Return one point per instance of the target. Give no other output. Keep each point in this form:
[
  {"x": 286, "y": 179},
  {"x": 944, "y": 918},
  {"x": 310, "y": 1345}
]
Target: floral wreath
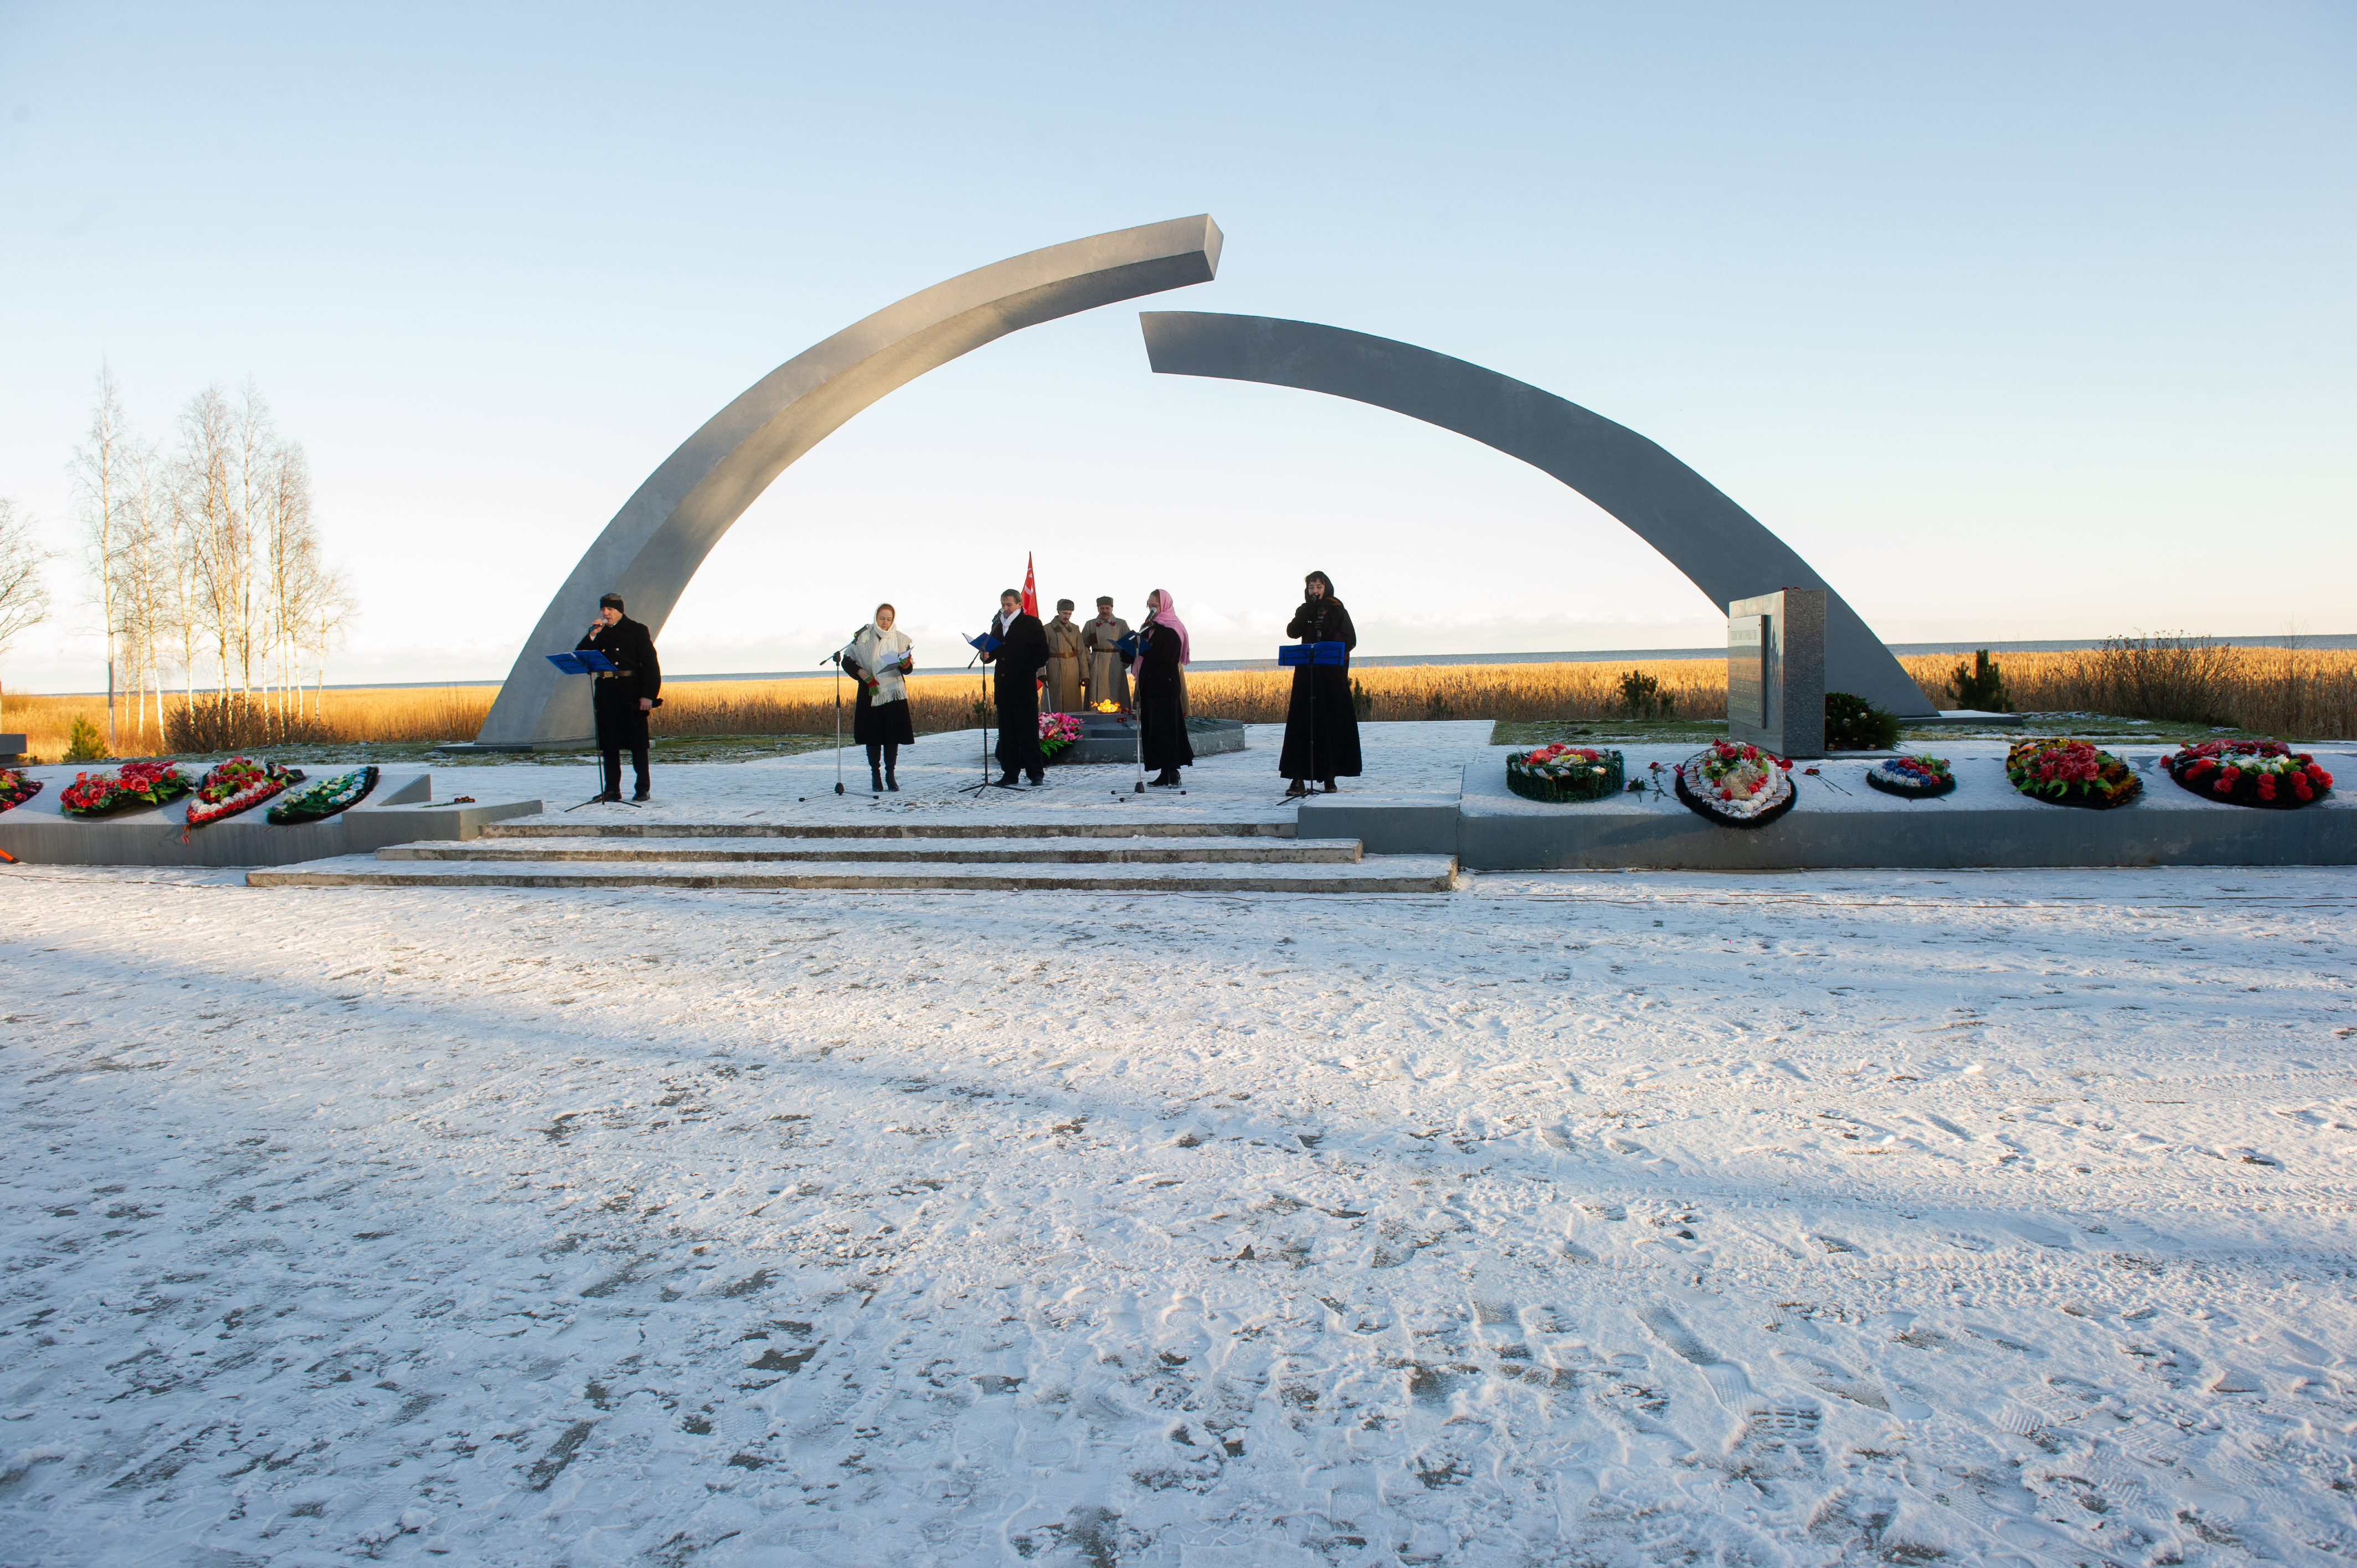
[
  {"x": 1563, "y": 774},
  {"x": 2265, "y": 773},
  {"x": 1056, "y": 731},
  {"x": 238, "y": 784},
  {"x": 1736, "y": 785},
  {"x": 1912, "y": 778},
  {"x": 2066, "y": 772},
  {"x": 15, "y": 788},
  {"x": 326, "y": 798},
  {"x": 132, "y": 786}
]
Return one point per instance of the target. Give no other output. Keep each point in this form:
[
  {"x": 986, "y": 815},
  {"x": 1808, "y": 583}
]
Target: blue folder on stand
[
  {"x": 587, "y": 661},
  {"x": 987, "y": 643},
  {"x": 1295, "y": 654},
  {"x": 1127, "y": 644}
]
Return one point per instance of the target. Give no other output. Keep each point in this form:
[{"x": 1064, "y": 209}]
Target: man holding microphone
[{"x": 623, "y": 699}]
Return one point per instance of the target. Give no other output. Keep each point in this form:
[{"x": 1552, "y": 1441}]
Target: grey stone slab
[
  {"x": 1776, "y": 665},
  {"x": 1912, "y": 835},
  {"x": 1722, "y": 549},
  {"x": 1386, "y": 823},
  {"x": 1032, "y": 828},
  {"x": 662, "y": 535},
  {"x": 1039, "y": 850},
  {"x": 1399, "y": 874},
  {"x": 401, "y": 811}
]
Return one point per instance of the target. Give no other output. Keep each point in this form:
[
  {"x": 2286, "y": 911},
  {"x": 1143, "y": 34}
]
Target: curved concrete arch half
[
  {"x": 654, "y": 545},
  {"x": 1722, "y": 549}
]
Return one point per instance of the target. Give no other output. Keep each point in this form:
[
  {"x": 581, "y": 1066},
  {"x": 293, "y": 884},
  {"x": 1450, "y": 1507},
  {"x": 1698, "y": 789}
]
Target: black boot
[
  {"x": 1296, "y": 789},
  {"x": 874, "y": 779},
  {"x": 1166, "y": 780},
  {"x": 892, "y": 780},
  {"x": 1329, "y": 787}
]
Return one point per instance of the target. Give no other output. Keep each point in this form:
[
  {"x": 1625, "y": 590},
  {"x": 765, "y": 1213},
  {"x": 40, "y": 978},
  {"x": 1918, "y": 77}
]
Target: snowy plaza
[{"x": 1564, "y": 1218}]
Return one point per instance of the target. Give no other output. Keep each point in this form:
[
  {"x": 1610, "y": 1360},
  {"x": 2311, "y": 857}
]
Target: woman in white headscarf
[
  {"x": 1161, "y": 696},
  {"x": 879, "y": 658}
]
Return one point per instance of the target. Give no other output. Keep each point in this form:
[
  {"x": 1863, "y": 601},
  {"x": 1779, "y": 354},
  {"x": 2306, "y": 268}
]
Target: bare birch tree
[
  {"x": 24, "y": 597},
  {"x": 96, "y": 473}
]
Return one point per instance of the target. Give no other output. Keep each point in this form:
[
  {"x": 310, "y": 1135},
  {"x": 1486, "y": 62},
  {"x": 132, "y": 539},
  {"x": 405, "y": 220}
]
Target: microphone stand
[
  {"x": 976, "y": 789},
  {"x": 837, "y": 659}
]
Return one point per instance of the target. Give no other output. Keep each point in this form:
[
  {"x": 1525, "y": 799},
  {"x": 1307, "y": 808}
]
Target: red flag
[{"x": 1030, "y": 587}]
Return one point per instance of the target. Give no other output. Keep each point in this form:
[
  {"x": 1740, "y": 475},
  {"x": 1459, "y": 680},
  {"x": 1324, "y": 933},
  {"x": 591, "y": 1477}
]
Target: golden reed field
[{"x": 2308, "y": 693}]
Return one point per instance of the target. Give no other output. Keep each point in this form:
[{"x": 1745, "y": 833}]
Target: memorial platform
[{"x": 1433, "y": 801}]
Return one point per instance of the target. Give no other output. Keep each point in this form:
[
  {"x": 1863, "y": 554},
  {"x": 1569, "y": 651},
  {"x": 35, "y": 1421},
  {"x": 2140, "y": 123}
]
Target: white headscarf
[{"x": 879, "y": 652}]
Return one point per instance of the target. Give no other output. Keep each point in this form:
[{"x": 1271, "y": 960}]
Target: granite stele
[
  {"x": 1722, "y": 549},
  {"x": 664, "y": 533}
]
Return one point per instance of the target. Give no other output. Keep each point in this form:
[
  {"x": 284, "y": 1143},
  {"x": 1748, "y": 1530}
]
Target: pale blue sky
[{"x": 2016, "y": 321}]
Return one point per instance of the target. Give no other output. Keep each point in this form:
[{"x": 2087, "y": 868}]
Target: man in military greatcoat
[{"x": 1108, "y": 677}]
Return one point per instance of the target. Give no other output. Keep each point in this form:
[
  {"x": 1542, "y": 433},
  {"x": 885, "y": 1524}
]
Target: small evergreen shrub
[
  {"x": 1980, "y": 686},
  {"x": 1641, "y": 697},
  {"x": 1853, "y": 723},
  {"x": 85, "y": 744},
  {"x": 1437, "y": 706},
  {"x": 1362, "y": 702}
]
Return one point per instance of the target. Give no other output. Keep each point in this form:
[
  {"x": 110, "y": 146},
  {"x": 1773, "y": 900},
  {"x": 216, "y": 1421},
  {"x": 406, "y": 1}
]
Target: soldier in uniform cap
[{"x": 624, "y": 698}]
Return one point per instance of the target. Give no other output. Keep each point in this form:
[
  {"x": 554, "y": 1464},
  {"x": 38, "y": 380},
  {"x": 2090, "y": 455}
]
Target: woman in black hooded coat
[{"x": 1321, "y": 727}]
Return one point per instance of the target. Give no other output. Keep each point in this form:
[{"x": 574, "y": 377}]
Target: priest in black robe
[
  {"x": 1021, "y": 654},
  {"x": 1159, "y": 691},
  {"x": 1322, "y": 727}
]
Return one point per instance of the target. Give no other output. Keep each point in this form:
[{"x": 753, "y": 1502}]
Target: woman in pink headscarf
[{"x": 1160, "y": 690}]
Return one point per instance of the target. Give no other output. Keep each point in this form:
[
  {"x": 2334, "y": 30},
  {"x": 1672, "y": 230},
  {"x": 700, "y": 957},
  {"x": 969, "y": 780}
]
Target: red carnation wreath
[{"x": 2263, "y": 773}]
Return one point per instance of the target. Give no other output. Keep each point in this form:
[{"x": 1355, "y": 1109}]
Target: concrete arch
[
  {"x": 1722, "y": 549},
  {"x": 654, "y": 545}
]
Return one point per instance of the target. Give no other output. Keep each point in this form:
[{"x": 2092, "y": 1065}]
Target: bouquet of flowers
[
  {"x": 2250, "y": 773},
  {"x": 238, "y": 784},
  {"x": 1913, "y": 778},
  {"x": 326, "y": 798},
  {"x": 1736, "y": 784},
  {"x": 871, "y": 683},
  {"x": 1056, "y": 731},
  {"x": 129, "y": 789},
  {"x": 2070, "y": 773},
  {"x": 1563, "y": 773},
  {"x": 15, "y": 788}
]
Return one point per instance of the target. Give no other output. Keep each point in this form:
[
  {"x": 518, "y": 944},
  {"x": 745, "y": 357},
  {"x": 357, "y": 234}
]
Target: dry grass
[{"x": 2311, "y": 694}]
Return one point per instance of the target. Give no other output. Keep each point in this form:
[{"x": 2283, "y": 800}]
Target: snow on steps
[
  {"x": 1001, "y": 857},
  {"x": 1031, "y": 828},
  {"x": 1006, "y": 851}
]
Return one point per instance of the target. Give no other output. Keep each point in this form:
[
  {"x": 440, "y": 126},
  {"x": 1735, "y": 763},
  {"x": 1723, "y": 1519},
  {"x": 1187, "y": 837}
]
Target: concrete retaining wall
[{"x": 400, "y": 810}]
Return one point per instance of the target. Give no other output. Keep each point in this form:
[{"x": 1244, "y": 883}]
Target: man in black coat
[
  {"x": 1021, "y": 654},
  {"x": 623, "y": 699}
]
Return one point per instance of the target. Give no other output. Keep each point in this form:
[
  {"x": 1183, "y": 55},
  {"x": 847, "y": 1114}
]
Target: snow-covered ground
[{"x": 1568, "y": 1219}]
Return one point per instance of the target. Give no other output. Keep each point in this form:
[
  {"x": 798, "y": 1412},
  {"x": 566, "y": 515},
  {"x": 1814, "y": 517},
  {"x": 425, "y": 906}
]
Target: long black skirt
[
  {"x": 1322, "y": 732},
  {"x": 885, "y": 726},
  {"x": 1162, "y": 731}
]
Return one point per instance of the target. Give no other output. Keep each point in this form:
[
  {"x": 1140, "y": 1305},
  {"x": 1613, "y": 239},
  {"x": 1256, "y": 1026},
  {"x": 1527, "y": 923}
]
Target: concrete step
[
  {"x": 658, "y": 828},
  {"x": 1388, "y": 874},
  {"x": 1064, "y": 849}
]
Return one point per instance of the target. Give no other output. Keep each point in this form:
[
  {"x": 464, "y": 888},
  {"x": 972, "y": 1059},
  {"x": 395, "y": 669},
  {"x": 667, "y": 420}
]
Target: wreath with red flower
[
  {"x": 1912, "y": 778},
  {"x": 15, "y": 788},
  {"x": 1563, "y": 774},
  {"x": 1736, "y": 785},
  {"x": 238, "y": 784},
  {"x": 326, "y": 798},
  {"x": 135, "y": 785},
  {"x": 1056, "y": 731},
  {"x": 2264, "y": 773},
  {"x": 2065, "y": 772}
]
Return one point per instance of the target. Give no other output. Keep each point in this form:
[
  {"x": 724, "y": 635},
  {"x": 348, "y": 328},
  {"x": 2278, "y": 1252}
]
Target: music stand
[
  {"x": 1294, "y": 656},
  {"x": 588, "y": 661}
]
